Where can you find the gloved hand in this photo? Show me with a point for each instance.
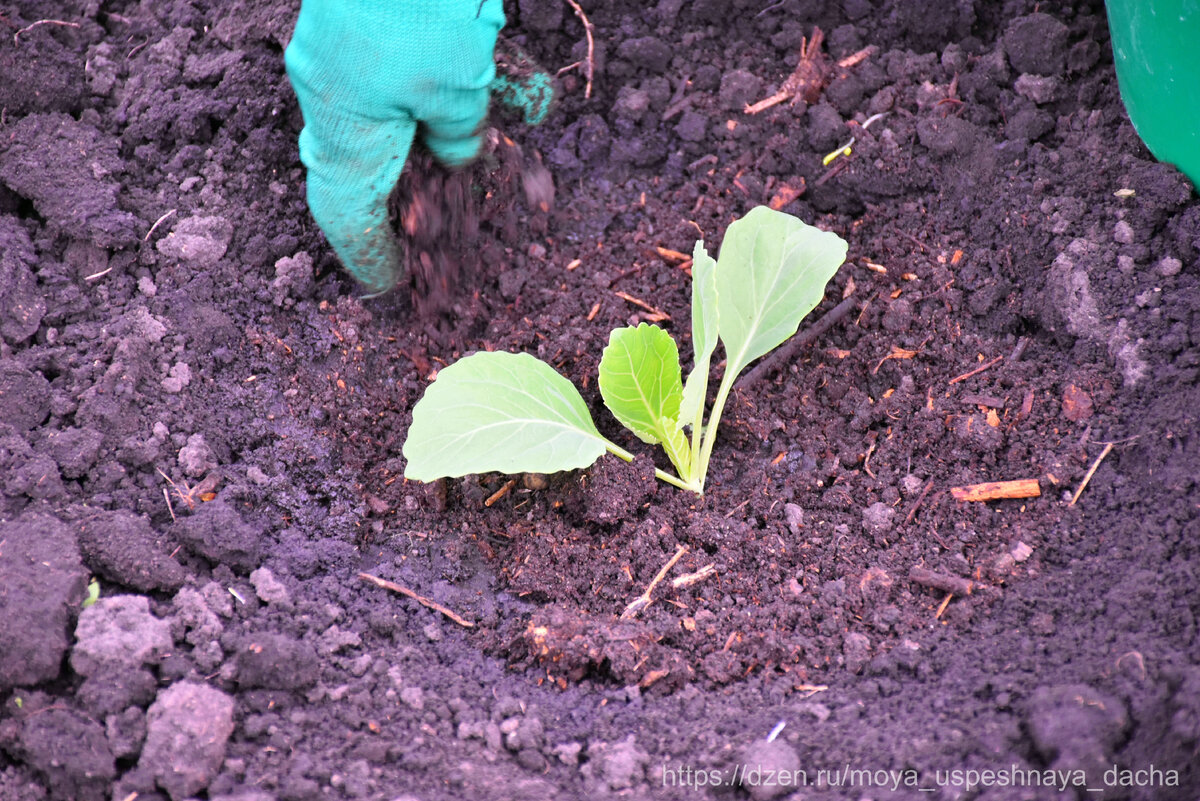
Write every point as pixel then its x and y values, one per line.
pixel 366 72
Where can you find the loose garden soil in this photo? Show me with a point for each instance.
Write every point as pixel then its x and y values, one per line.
pixel 197 410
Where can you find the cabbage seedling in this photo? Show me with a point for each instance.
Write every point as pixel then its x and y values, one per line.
pixel 511 413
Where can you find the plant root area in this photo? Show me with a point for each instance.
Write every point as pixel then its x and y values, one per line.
pixel 201 424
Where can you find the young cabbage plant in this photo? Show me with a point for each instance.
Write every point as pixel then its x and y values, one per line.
pixel 511 413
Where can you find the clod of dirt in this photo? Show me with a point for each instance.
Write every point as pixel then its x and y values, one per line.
pixel 541 16
pixel 43 581
pixel 276 662
pixel 113 690
pixel 1036 43
pixel 217 532
pixel 187 729
pixel 1076 727
pixel 614 490
pixel 70 752
pixel 118 633
pixel 74 449
pixel 24 396
pixel 21 303
pixel 738 89
pixel 67 169
pixel 621 765
pixel 122 548
pixel 772 760
pixel 271 590
pixel 195 457
pixel 878 517
pixel 647 53
pixel 198 241
pixel 40 74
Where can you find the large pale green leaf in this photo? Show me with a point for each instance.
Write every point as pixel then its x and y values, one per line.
pixel 704 332
pixel 641 386
pixel 771 273
pixel 502 412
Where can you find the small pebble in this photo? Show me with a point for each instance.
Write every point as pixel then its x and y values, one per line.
pixel 763 759
pixel 1123 233
pixel 1169 267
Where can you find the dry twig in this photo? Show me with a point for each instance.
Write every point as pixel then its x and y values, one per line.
pixel 655 314
pixel 788 351
pixel 421 599
pixel 500 493
pixel 644 600
pixel 1091 472
pixel 28 28
pixel 806 81
pixel 920 499
pixel 189 495
pixel 688 579
pixel 940 581
pixel 998 490
pixel 157 223
pixel 589 66
pixel 976 371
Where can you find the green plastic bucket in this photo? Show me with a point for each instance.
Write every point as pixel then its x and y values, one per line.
pixel 1156 46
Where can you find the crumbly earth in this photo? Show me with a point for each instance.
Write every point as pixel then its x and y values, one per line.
pixel 198 411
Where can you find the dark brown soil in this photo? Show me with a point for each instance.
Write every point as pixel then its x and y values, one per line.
pixel 198 411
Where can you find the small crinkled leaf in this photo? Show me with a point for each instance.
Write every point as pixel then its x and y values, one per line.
pixel 499 412
pixel 641 386
pixel 771 273
pixel 704 332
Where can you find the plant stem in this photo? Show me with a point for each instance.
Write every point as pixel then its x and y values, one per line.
pixel 661 475
pixel 696 473
pixel 714 420
pixel 682 459
pixel 676 482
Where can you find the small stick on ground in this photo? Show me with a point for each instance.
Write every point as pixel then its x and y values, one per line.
pixel 920 499
pixel 786 353
pixel 189 495
pixel 856 58
pixel 910 238
pixel 28 28
pixel 644 600
pixel 1136 658
pixel 806 81
pixel 500 493
pixel 170 508
pixel 1091 472
pixel 688 579
pixel 977 370
pixel 940 581
pixel 659 313
pixel 589 66
pixel 867 461
pixel 941 610
pixel 421 599
pixel 998 490
pixel 157 223
pixel 672 256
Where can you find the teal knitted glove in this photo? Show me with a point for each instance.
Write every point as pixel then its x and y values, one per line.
pixel 366 72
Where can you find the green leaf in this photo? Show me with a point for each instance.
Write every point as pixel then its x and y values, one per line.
pixel 704 333
pixel 500 412
pixel 641 385
pixel 771 273
pixel 93 593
